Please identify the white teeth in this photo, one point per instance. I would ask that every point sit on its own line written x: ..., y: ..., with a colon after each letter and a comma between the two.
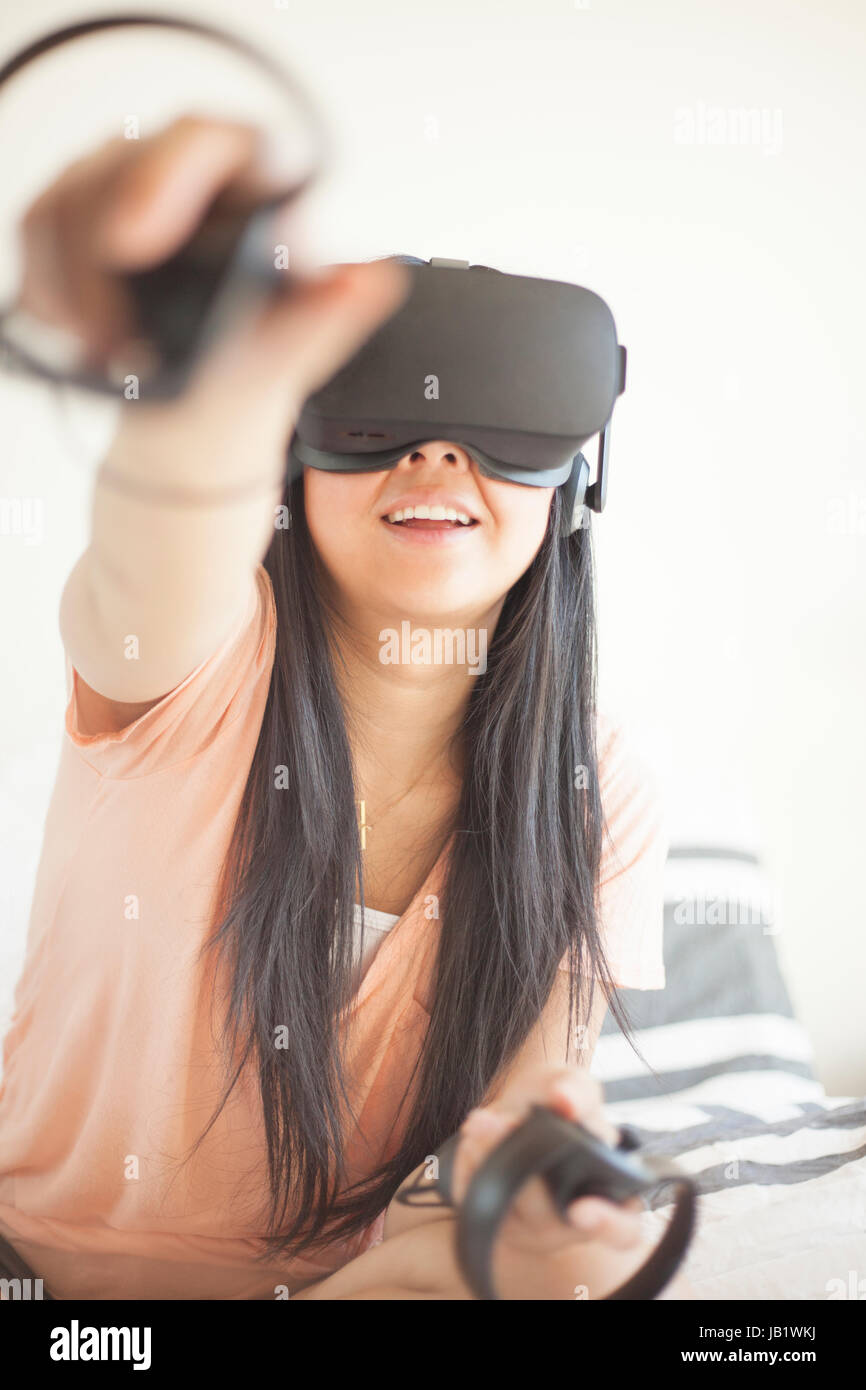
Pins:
x: 434, y: 513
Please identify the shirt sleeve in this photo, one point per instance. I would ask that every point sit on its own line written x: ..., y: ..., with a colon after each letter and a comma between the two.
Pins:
x: 631, y: 882
x: 228, y: 685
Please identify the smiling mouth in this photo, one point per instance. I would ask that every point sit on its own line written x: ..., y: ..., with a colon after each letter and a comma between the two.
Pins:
x: 425, y: 518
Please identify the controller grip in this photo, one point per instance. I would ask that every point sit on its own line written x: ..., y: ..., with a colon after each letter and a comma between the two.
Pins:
x: 573, y: 1163
x: 183, y: 304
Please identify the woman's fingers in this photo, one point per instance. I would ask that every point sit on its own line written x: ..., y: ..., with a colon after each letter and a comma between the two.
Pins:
x: 569, y: 1091
x: 60, y: 283
x: 325, y: 320
x: 161, y: 194
x: 572, y: 1093
x: 577, y: 1096
x: 480, y: 1133
x: 286, y: 350
x: 619, y: 1226
x: 590, y: 1218
x: 128, y: 205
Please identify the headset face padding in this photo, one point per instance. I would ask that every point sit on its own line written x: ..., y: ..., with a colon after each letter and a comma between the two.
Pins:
x: 571, y: 477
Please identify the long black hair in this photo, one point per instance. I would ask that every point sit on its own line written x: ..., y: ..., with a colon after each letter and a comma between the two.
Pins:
x: 519, y: 892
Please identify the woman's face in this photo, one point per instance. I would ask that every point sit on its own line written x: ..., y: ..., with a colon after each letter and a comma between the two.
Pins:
x: 428, y: 567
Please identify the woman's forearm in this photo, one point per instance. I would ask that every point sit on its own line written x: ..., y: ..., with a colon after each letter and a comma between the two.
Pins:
x: 183, y: 607
x: 417, y: 1260
x: 419, y: 1263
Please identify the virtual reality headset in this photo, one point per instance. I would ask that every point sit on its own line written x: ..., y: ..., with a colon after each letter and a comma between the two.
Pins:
x: 519, y: 371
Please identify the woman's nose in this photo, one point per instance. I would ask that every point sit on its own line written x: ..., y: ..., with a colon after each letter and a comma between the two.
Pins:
x: 438, y: 451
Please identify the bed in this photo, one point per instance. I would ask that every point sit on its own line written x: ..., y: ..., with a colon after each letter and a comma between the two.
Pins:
x: 728, y: 1089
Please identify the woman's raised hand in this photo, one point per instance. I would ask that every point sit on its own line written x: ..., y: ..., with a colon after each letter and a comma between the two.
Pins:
x: 132, y: 204
x: 194, y: 480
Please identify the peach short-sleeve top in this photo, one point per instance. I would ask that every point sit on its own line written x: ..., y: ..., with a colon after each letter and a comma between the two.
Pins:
x: 110, y: 1066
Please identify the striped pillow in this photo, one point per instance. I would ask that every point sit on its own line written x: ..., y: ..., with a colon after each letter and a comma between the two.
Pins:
x: 726, y: 1010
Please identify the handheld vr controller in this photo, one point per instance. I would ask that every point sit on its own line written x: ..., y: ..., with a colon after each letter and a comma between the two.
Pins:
x: 518, y: 370
x: 573, y: 1163
x: 182, y: 305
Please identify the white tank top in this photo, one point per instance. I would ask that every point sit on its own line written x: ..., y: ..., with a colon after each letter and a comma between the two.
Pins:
x: 376, y: 927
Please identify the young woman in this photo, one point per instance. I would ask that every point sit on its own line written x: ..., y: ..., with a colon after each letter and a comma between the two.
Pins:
x: 303, y: 911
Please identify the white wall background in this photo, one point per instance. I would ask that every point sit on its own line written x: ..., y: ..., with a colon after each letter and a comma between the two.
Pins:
x: 599, y: 143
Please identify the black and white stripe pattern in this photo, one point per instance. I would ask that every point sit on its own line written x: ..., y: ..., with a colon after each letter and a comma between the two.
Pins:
x: 727, y: 1089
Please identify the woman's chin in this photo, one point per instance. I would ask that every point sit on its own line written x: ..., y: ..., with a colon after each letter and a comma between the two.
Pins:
x: 448, y: 604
